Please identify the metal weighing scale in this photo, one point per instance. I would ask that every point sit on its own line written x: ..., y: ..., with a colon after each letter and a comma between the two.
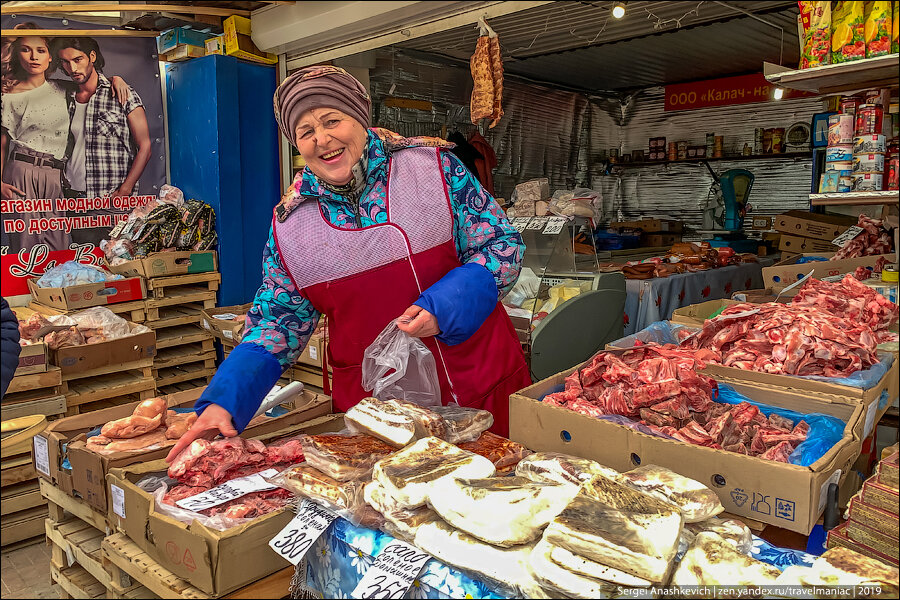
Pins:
x: 726, y: 205
x: 581, y: 326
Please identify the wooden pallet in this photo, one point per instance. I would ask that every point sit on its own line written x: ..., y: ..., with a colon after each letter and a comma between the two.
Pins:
x: 60, y: 503
x: 144, y: 366
x: 130, y: 311
x: 163, y: 287
x: 187, y: 372
x: 21, y: 505
x: 50, y: 406
x: 105, y: 387
x: 76, y: 582
x: 180, y: 335
x: 127, y: 556
x: 180, y: 297
x: 182, y: 386
x: 22, y: 525
x: 178, y: 314
x: 35, y: 386
x: 182, y: 355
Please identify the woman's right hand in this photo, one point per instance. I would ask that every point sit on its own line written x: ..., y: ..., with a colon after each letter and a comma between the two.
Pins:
x: 10, y: 192
x: 214, y: 420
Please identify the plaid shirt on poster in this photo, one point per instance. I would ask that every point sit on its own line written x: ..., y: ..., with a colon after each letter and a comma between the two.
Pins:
x: 109, y: 146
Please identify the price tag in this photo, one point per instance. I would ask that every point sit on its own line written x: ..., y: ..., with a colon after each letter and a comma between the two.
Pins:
x: 225, y: 317
x: 205, y: 324
x: 520, y: 223
x: 393, y: 572
x: 229, y: 491
x: 41, y: 455
x: 118, y: 499
x: 228, y: 333
x: 847, y: 236
x: 537, y: 223
x: 554, y: 225
x: 298, y: 536
x: 314, y: 353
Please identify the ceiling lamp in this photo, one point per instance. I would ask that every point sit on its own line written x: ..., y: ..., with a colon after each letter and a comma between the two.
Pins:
x: 778, y: 94
x: 618, y: 10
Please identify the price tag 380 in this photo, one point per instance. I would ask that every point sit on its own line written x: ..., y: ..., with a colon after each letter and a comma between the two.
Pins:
x: 393, y: 572
x: 298, y: 536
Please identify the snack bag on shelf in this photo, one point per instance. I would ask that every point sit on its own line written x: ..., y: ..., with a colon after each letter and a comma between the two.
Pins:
x: 815, y: 26
x: 895, y: 29
x: 848, y: 40
x: 878, y: 28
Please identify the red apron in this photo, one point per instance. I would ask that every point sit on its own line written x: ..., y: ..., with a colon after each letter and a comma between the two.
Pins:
x: 364, y: 278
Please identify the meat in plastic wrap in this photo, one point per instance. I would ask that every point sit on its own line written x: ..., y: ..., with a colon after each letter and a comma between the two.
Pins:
x: 343, y: 497
x: 381, y: 420
x: 343, y: 457
x: 695, y: 501
x: 504, y: 511
x: 731, y: 530
x: 426, y: 421
x: 554, y: 467
x: 74, y: 273
x: 504, y: 453
x: 569, y: 575
x: 710, y: 560
x: 464, y: 424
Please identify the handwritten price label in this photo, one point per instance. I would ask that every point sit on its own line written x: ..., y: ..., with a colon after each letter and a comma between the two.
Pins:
x: 298, y: 536
x: 554, y: 225
x: 520, y: 223
x: 229, y: 491
x: 393, y: 572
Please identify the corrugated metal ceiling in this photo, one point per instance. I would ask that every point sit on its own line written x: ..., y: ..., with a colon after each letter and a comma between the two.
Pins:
x: 578, y: 44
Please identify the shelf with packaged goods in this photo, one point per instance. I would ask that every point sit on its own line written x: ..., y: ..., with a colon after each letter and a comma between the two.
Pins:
x: 651, y: 163
x: 880, y: 71
x: 855, y: 198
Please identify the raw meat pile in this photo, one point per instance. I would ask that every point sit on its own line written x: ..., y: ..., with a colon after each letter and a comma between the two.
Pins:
x: 90, y: 326
x: 852, y: 300
x: 792, y: 339
x: 204, y: 465
x: 873, y: 239
x: 641, y: 382
x: 150, y: 425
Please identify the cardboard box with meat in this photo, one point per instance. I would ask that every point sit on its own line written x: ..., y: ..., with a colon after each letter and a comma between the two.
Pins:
x: 166, y: 264
x: 790, y: 270
x: 84, y: 475
x: 787, y: 495
x: 215, y: 561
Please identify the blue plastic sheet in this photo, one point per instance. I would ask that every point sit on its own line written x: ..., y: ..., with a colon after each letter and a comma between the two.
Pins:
x: 824, y: 430
x: 808, y: 259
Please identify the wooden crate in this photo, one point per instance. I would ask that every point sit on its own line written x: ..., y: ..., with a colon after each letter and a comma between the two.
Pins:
x: 60, y: 504
x: 180, y: 335
x: 130, y: 311
x: 184, y: 354
x: 127, y: 556
x: 187, y: 372
x: 178, y: 314
x: 182, y: 386
x: 144, y: 366
x: 165, y: 287
x: 21, y: 504
x: 76, y: 581
x: 50, y: 406
x: 35, y: 386
x: 105, y: 387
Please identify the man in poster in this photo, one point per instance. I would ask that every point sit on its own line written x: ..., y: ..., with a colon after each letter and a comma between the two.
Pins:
x: 109, y: 143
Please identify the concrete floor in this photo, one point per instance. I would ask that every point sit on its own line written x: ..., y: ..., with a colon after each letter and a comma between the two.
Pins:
x: 26, y: 573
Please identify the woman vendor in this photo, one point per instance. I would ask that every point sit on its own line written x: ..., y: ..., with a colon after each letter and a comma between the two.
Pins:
x: 376, y: 228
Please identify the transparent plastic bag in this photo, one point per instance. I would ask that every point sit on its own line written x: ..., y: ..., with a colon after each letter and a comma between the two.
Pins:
x: 344, y: 498
x: 74, y: 273
x: 397, y: 365
x: 696, y: 501
x: 462, y: 423
x: 343, y: 456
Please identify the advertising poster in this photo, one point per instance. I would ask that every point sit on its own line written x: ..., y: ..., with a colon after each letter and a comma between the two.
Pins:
x: 83, y: 143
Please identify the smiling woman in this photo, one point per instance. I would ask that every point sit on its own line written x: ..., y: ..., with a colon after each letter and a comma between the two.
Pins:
x: 331, y: 142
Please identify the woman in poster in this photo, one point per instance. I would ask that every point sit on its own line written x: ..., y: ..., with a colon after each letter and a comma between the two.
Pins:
x: 35, y: 131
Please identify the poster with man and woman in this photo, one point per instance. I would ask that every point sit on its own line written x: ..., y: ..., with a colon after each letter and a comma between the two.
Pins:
x: 83, y: 142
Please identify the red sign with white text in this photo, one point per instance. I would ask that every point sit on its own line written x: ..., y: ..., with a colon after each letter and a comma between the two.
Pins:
x: 741, y: 89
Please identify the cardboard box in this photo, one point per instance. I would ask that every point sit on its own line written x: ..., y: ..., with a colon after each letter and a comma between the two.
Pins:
x: 786, y: 495
x: 165, y: 264
x: 216, y: 562
x: 89, y: 294
x: 651, y: 225
x: 169, y: 40
x: 787, y: 271
x: 763, y: 296
x: 239, y: 44
x: 76, y: 359
x: 799, y: 245
x: 215, y: 45
x: 314, y: 352
x: 696, y: 315
x: 657, y: 240
x: 761, y: 223
x: 813, y: 225
x: 226, y: 330
x: 86, y: 476
x: 33, y: 358
x: 183, y: 52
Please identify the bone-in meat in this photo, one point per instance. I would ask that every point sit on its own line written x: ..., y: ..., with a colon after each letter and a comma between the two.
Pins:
x: 849, y: 299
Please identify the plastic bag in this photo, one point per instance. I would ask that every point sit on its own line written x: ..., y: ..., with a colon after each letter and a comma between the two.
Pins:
x: 554, y: 467
x: 74, y: 273
x: 343, y: 456
x: 344, y: 498
x: 734, y: 532
x: 824, y: 430
x: 526, y: 287
x: 397, y: 365
x: 464, y: 424
x: 171, y: 195
x: 504, y: 453
x: 580, y: 202
x: 695, y: 501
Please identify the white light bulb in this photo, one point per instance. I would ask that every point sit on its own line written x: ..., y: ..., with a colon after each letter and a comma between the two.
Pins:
x: 618, y: 10
x: 779, y: 93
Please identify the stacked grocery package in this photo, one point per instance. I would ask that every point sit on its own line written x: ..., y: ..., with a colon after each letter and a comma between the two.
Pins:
x: 846, y: 32
x: 873, y: 526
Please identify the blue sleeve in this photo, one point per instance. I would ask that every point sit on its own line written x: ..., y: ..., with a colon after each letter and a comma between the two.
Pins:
x: 241, y: 383
x: 461, y: 301
x: 11, y: 348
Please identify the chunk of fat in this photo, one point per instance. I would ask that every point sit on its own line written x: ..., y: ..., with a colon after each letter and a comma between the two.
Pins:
x: 553, y: 467
x: 504, y: 511
x: 841, y: 566
x: 382, y: 421
x: 711, y: 560
x: 734, y: 532
x: 641, y: 544
x: 505, y: 567
x: 408, y: 476
x: 696, y: 501
x: 594, y: 570
x: 556, y: 578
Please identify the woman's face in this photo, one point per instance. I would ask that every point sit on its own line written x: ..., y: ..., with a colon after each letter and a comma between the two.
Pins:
x: 330, y: 142
x: 34, y: 55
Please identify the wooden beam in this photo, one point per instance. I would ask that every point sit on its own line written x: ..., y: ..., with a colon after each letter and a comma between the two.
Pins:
x: 80, y: 8
x: 77, y: 33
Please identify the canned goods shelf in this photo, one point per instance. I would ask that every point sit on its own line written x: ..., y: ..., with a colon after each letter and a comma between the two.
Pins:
x: 855, y: 198
x: 859, y: 74
x: 649, y: 163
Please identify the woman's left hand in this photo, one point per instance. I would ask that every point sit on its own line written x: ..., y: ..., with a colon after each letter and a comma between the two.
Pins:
x: 418, y: 322
x: 120, y: 89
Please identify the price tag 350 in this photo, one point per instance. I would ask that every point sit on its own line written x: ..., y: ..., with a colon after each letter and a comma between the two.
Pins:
x: 295, y: 540
x: 393, y: 572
